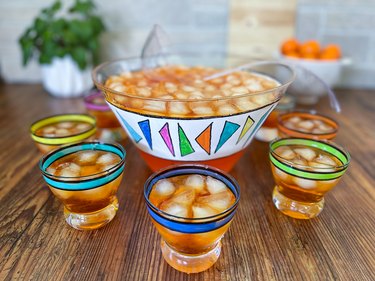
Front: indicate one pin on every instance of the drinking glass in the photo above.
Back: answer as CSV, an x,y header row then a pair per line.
x,y
300,188
191,244
46,142
89,201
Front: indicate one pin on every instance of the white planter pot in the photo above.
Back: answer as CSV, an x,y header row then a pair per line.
x,y
63,78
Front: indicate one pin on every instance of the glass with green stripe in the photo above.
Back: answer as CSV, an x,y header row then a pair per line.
x,y
304,170
85,177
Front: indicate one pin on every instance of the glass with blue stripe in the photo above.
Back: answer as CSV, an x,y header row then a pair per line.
x,y
85,177
304,171
191,243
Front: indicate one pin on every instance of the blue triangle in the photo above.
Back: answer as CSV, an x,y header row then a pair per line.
x,y
228,131
130,129
146,130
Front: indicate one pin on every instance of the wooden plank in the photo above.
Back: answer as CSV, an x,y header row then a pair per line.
x,y
257,27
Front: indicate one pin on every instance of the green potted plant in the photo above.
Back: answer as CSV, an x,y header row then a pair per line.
x,y
66,44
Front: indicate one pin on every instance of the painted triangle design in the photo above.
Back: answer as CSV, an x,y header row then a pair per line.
x,y
228,131
260,122
248,124
130,129
146,130
185,145
166,136
204,139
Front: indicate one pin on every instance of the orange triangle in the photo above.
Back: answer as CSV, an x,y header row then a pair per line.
x,y
204,139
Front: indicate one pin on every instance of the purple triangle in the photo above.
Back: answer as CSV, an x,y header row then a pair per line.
x,y
165,134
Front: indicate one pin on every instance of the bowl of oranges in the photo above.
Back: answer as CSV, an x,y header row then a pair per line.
x,y
324,61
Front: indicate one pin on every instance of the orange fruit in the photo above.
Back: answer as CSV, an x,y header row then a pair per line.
x,y
289,46
310,49
292,54
309,56
330,52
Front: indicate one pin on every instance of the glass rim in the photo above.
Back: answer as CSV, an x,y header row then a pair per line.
x,y
82,178
102,87
184,220
307,168
312,113
35,126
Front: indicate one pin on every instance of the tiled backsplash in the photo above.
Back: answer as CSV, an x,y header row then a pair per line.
x,y
348,23
193,23
252,27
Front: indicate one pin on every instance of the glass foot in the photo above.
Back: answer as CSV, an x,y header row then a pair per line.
x,y
190,263
296,209
94,220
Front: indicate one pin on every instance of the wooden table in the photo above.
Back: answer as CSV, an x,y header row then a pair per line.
x,y
262,243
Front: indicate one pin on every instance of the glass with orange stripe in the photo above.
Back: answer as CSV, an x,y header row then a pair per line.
x,y
311,125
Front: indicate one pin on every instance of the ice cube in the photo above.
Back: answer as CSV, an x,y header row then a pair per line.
x,y
255,86
61,132
290,125
178,108
107,158
306,125
300,162
317,122
325,128
294,119
166,97
260,99
51,170
219,201
155,106
226,86
305,183
174,209
137,103
86,157
195,181
285,152
202,211
144,92
245,104
226,110
65,125
188,89
215,186
202,110
235,82
48,130
324,159
181,95
196,95
118,87
69,170
282,175
184,196
319,167
240,90
210,88
305,153
164,187
83,127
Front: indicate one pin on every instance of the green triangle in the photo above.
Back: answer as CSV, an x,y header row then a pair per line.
x,y
185,145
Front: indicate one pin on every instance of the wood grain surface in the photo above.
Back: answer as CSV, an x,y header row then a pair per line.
x,y
261,244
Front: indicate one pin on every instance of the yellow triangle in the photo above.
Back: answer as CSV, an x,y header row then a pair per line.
x,y
249,122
